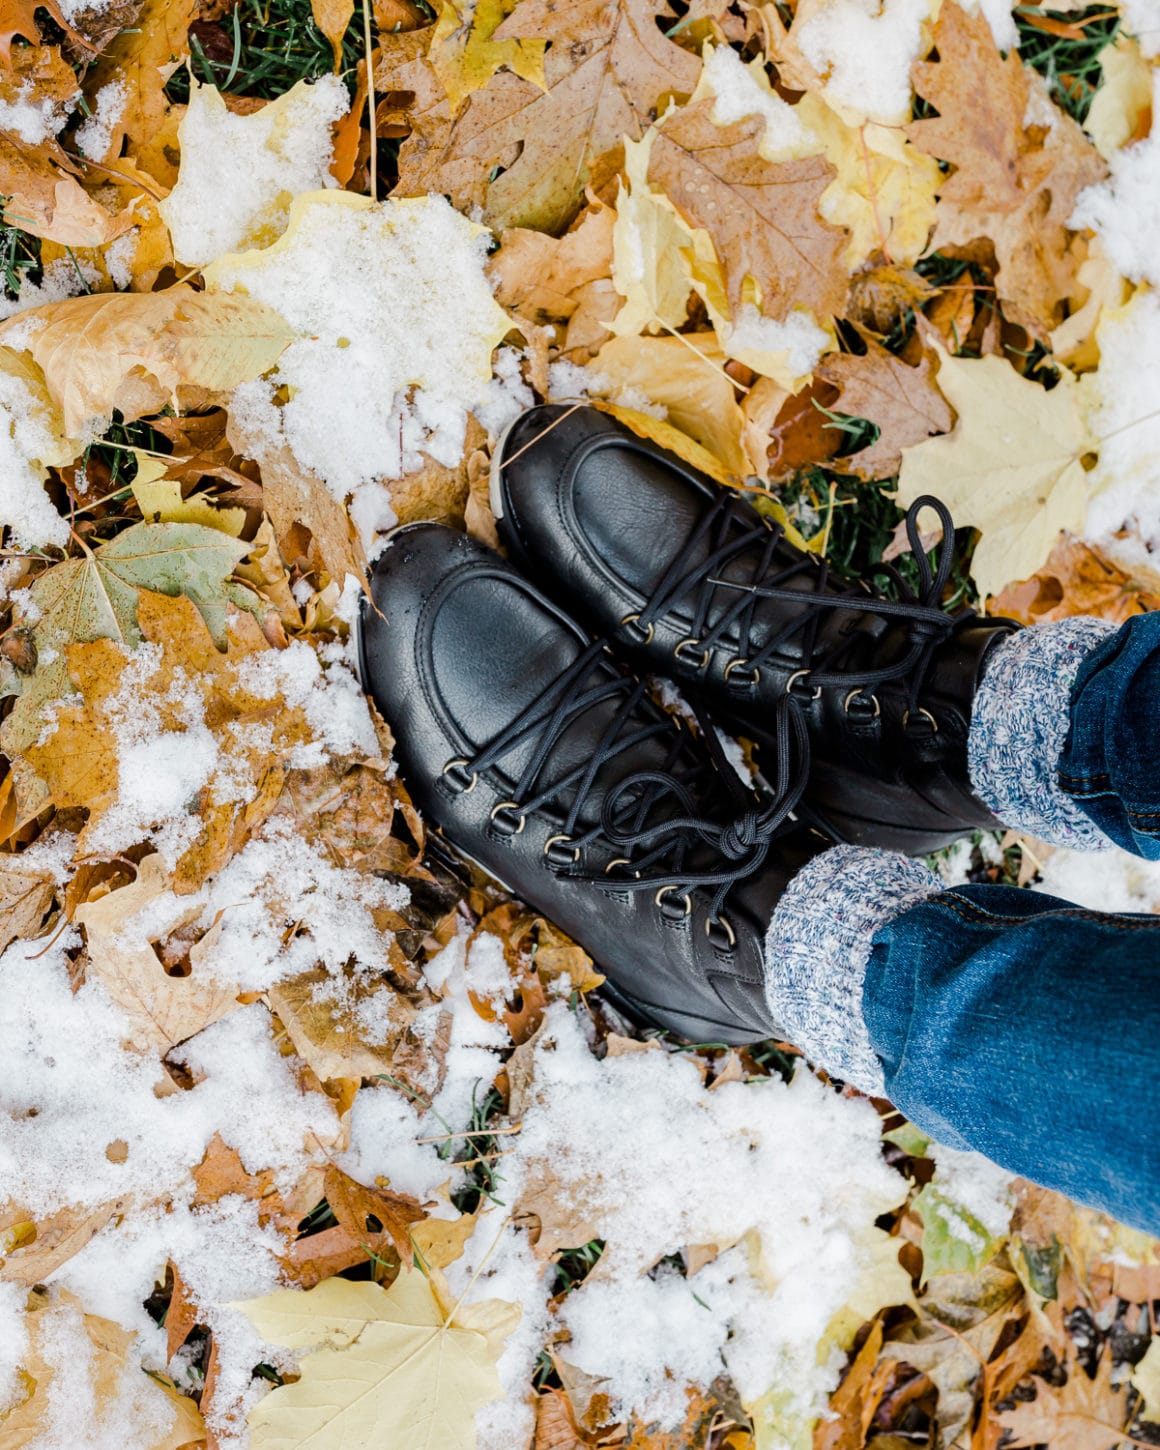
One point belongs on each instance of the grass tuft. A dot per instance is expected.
(1064, 47)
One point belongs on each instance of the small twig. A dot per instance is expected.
(371, 122)
(472, 1133)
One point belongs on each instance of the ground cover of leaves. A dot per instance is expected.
(308, 1136)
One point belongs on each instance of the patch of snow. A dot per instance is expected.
(978, 1186)
(1111, 880)
(389, 360)
(96, 135)
(1124, 210)
(863, 50)
(238, 173)
(1142, 19)
(27, 441)
(34, 119)
(742, 90)
(618, 1132)
(666, 1334)
(1120, 401)
(999, 18)
(798, 338)
(69, 1090)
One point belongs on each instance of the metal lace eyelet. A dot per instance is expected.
(559, 843)
(720, 932)
(503, 823)
(620, 861)
(455, 773)
(858, 695)
(815, 693)
(666, 909)
(700, 656)
(927, 716)
(750, 674)
(631, 622)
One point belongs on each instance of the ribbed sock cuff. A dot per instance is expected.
(818, 946)
(1019, 723)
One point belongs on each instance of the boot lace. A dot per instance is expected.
(652, 817)
(733, 537)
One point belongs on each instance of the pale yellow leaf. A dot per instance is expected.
(161, 1009)
(1010, 467)
(464, 55)
(160, 501)
(384, 1358)
(1124, 99)
(684, 375)
(1146, 1378)
(136, 352)
(650, 246)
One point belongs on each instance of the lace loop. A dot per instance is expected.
(654, 818)
(750, 551)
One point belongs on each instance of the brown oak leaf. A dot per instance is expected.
(762, 216)
(606, 75)
(1016, 176)
(1086, 1414)
(903, 401)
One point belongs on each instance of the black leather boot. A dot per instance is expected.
(688, 580)
(537, 756)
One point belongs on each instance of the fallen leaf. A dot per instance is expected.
(1121, 108)
(961, 1318)
(684, 375)
(353, 1204)
(762, 216)
(161, 501)
(54, 1241)
(26, 895)
(1078, 579)
(1011, 466)
(114, 1377)
(1146, 1379)
(901, 400)
(137, 352)
(538, 276)
(1086, 1414)
(465, 54)
(162, 1010)
(378, 1357)
(1016, 177)
(332, 17)
(96, 597)
(142, 59)
(605, 75)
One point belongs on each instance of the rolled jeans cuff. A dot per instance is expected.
(818, 946)
(1019, 724)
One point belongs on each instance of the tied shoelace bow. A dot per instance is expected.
(729, 527)
(658, 848)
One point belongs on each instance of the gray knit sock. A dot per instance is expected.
(818, 945)
(1019, 722)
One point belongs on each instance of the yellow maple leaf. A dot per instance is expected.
(384, 1357)
(1010, 466)
(136, 352)
(465, 57)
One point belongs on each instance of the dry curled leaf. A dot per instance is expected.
(1078, 579)
(137, 352)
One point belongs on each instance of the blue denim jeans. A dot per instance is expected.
(1027, 1028)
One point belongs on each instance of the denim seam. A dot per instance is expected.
(978, 916)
